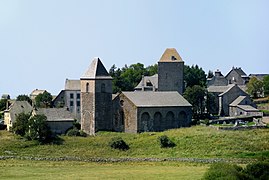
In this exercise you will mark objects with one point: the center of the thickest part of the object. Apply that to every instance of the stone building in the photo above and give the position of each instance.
(96, 98)
(150, 111)
(237, 76)
(217, 80)
(70, 98)
(156, 104)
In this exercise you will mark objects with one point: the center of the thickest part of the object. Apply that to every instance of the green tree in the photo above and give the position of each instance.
(24, 97)
(194, 75)
(151, 70)
(43, 100)
(255, 87)
(20, 126)
(3, 104)
(38, 128)
(266, 85)
(196, 96)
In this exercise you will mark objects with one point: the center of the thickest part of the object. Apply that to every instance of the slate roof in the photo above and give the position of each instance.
(37, 92)
(168, 54)
(96, 70)
(238, 100)
(247, 108)
(218, 89)
(18, 107)
(152, 79)
(55, 114)
(258, 76)
(72, 84)
(156, 99)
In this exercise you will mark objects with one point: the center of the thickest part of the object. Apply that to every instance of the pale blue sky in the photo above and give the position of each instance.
(44, 42)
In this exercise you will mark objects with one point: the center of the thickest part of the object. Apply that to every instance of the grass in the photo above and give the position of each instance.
(23, 169)
(194, 142)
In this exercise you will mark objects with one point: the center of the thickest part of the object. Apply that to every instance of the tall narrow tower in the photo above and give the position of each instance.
(170, 71)
(96, 98)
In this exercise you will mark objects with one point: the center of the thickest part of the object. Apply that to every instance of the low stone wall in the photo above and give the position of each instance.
(238, 127)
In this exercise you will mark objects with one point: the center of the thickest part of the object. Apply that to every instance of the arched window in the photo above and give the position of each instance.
(182, 117)
(170, 120)
(157, 123)
(87, 87)
(145, 117)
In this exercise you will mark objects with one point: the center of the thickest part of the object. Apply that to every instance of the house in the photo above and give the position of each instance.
(237, 76)
(36, 92)
(69, 97)
(139, 111)
(150, 111)
(59, 120)
(13, 110)
(217, 80)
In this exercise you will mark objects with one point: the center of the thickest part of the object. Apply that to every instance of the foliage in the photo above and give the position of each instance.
(118, 143)
(3, 104)
(21, 126)
(266, 85)
(126, 78)
(255, 87)
(196, 96)
(38, 129)
(194, 76)
(73, 132)
(24, 97)
(210, 74)
(43, 100)
(258, 170)
(165, 142)
(224, 171)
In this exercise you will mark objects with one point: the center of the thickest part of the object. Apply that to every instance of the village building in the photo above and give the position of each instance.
(161, 108)
(237, 76)
(15, 109)
(69, 98)
(36, 92)
(59, 120)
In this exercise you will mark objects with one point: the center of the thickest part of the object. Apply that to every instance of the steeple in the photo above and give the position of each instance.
(170, 55)
(96, 70)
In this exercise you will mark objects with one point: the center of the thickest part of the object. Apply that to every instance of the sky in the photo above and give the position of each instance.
(46, 41)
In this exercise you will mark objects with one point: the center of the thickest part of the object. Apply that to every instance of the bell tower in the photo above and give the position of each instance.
(170, 71)
(96, 98)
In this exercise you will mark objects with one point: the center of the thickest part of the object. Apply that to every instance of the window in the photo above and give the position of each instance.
(173, 58)
(149, 83)
(78, 95)
(78, 103)
(71, 103)
(71, 96)
(87, 87)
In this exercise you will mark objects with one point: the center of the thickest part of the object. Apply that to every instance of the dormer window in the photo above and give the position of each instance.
(173, 58)
(149, 83)
(87, 87)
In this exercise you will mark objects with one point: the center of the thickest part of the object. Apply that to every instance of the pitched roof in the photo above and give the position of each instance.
(218, 89)
(170, 55)
(37, 92)
(18, 107)
(238, 100)
(156, 99)
(148, 79)
(247, 108)
(55, 114)
(96, 70)
(72, 84)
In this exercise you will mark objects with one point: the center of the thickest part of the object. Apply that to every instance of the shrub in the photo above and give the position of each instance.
(258, 170)
(118, 143)
(224, 171)
(73, 132)
(165, 142)
(82, 133)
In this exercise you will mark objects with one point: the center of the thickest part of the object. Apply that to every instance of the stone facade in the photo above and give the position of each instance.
(170, 71)
(237, 76)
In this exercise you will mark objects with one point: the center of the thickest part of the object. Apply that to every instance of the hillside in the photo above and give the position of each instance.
(194, 142)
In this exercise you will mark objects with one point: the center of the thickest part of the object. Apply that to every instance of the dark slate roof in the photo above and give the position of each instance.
(19, 107)
(156, 99)
(143, 83)
(247, 108)
(238, 100)
(96, 71)
(218, 89)
(55, 114)
(72, 84)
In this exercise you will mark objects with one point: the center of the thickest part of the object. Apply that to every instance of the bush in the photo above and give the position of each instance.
(258, 170)
(165, 142)
(118, 143)
(82, 133)
(224, 171)
(73, 132)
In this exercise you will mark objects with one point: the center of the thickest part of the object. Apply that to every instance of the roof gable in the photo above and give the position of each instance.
(96, 70)
(170, 55)
(55, 114)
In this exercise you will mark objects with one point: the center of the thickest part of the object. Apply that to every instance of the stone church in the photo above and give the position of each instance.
(155, 105)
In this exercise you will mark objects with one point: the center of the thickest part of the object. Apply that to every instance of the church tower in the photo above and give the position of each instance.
(96, 98)
(170, 71)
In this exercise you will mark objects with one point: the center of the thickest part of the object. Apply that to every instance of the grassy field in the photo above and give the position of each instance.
(194, 142)
(23, 169)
